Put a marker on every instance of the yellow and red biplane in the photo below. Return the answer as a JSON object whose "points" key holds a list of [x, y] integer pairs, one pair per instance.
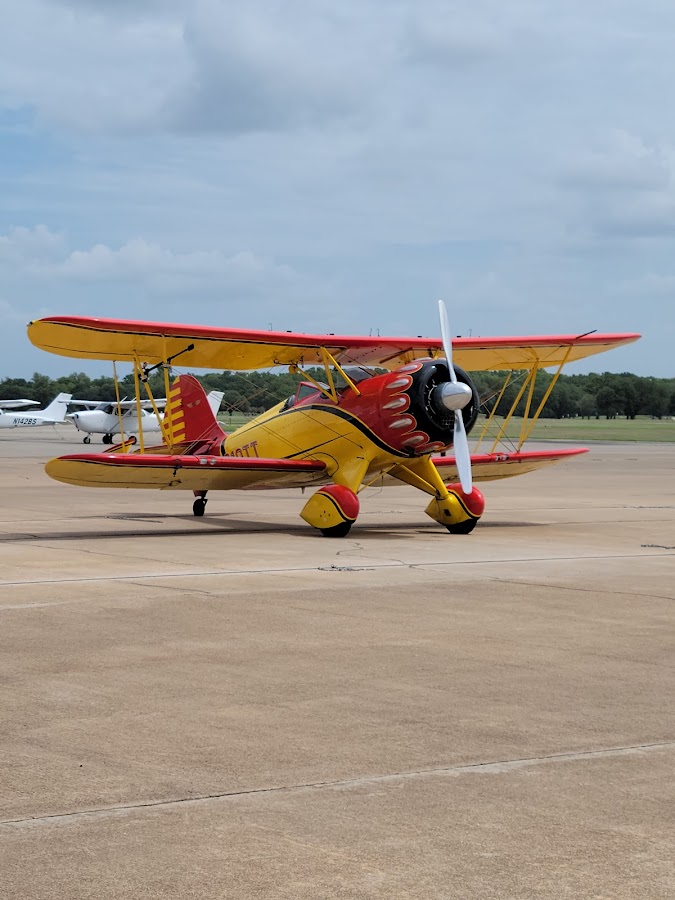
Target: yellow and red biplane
{"points": [[356, 429]]}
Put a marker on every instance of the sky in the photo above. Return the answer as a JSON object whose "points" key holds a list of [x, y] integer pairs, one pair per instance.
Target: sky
{"points": [[339, 167]]}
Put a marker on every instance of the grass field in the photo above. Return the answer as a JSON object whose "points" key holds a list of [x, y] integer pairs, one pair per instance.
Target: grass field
{"points": [[584, 430]]}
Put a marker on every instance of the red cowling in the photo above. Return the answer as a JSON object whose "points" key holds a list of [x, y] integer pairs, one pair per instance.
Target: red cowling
{"points": [[474, 502], [346, 500]]}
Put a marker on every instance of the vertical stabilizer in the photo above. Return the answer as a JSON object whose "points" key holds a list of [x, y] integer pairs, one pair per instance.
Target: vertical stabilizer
{"points": [[215, 398], [188, 416], [56, 411]]}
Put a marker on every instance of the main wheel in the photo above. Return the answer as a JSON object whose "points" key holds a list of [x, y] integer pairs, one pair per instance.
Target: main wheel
{"points": [[337, 530], [463, 527], [107, 438], [199, 506], [87, 439]]}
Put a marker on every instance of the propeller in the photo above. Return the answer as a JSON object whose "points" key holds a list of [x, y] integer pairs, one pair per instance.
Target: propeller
{"points": [[454, 396]]}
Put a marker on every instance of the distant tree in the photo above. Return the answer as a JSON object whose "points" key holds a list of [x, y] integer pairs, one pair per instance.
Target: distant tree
{"points": [[588, 405], [608, 402]]}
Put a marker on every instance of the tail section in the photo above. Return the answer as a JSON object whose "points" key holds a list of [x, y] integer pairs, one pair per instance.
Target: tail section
{"points": [[215, 398], [188, 416], [56, 411]]}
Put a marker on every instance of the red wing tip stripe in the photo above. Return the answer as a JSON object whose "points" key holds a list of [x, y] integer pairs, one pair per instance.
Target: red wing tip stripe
{"points": [[478, 458], [138, 460]]}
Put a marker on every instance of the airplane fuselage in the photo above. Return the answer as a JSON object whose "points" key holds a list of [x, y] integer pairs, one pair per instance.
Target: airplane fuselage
{"points": [[97, 421], [392, 419], [20, 420]]}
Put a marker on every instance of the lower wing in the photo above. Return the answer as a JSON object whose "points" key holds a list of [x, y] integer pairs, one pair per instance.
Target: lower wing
{"points": [[206, 473], [494, 466], [193, 473]]}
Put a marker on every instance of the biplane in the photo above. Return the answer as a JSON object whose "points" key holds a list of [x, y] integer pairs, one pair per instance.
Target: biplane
{"points": [[387, 411]]}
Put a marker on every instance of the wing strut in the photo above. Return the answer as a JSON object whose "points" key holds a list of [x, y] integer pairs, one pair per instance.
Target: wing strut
{"points": [[528, 421], [328, 360]]}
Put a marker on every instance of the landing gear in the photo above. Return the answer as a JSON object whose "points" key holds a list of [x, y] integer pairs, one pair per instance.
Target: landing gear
{"points": [[107, 438], [463, 527], [199, 505], [337, 531], [87, 439], [332, 510]]}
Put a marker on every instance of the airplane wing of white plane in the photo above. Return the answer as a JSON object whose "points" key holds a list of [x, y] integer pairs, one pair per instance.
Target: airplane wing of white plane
{"points": [[17, 404], [124, 404]]}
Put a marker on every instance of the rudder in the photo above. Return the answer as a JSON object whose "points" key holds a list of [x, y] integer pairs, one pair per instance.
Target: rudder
{"points": [[188, 416]]}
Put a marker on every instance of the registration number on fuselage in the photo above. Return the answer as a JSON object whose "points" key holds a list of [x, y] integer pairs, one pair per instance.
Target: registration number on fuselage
{"points": [[25, 420]]}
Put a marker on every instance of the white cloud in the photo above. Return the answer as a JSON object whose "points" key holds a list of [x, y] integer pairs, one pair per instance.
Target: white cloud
{"points": [[626, 162], [339, 163], [30, 245], [43, 253], [626, 188]]}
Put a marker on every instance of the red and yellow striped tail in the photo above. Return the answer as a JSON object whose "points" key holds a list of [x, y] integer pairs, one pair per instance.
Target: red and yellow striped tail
{"points": [[188, 416]]}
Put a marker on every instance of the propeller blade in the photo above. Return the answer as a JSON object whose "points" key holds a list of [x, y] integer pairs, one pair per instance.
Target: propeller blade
{"points": [[460, 441], [460, 446], [446, 338]]}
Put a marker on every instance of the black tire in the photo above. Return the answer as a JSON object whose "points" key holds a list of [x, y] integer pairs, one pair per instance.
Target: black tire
{"points": [[462, 527], [198, 507], [87, 439], [337, 531], [107, 438]]}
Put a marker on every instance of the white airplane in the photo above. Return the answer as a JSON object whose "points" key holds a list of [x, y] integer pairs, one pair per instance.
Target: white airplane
{"points": [[105, 417], [52, 415]]}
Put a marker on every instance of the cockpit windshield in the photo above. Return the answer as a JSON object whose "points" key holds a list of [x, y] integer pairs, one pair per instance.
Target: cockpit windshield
{"points": [[358, 373]]}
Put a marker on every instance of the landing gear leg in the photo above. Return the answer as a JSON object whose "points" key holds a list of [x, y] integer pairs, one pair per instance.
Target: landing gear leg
{"points": [[199, 505]]}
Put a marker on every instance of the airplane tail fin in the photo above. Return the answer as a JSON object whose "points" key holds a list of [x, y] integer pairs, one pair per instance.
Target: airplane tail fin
{"points": [[56, 411], [215, 398], [188, 416]]}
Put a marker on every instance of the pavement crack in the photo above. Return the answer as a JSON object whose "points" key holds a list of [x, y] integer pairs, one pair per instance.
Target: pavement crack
{"points": [[578, 589], [488, 767]]}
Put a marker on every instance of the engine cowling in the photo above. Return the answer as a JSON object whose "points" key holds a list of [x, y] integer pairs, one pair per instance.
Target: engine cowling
{"points": [[430, 405]]}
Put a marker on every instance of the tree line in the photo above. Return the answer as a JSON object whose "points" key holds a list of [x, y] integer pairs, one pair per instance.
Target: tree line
{"points": [[605, 395]]}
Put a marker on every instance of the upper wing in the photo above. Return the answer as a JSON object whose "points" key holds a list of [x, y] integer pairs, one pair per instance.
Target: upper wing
{"points": [[205, 347], [17, 404], [193, 473]]}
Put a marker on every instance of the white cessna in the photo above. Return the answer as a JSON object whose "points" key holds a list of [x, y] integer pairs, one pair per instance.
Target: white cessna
{"points": [[109, 418], [52, 415]]}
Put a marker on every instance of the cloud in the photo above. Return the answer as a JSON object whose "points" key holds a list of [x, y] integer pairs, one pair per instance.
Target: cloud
{"points": [[42, 253], [30, 245], [268, 66], [339, 164], [625, 189], [626, 162], [452, 36], [164, 271]]}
